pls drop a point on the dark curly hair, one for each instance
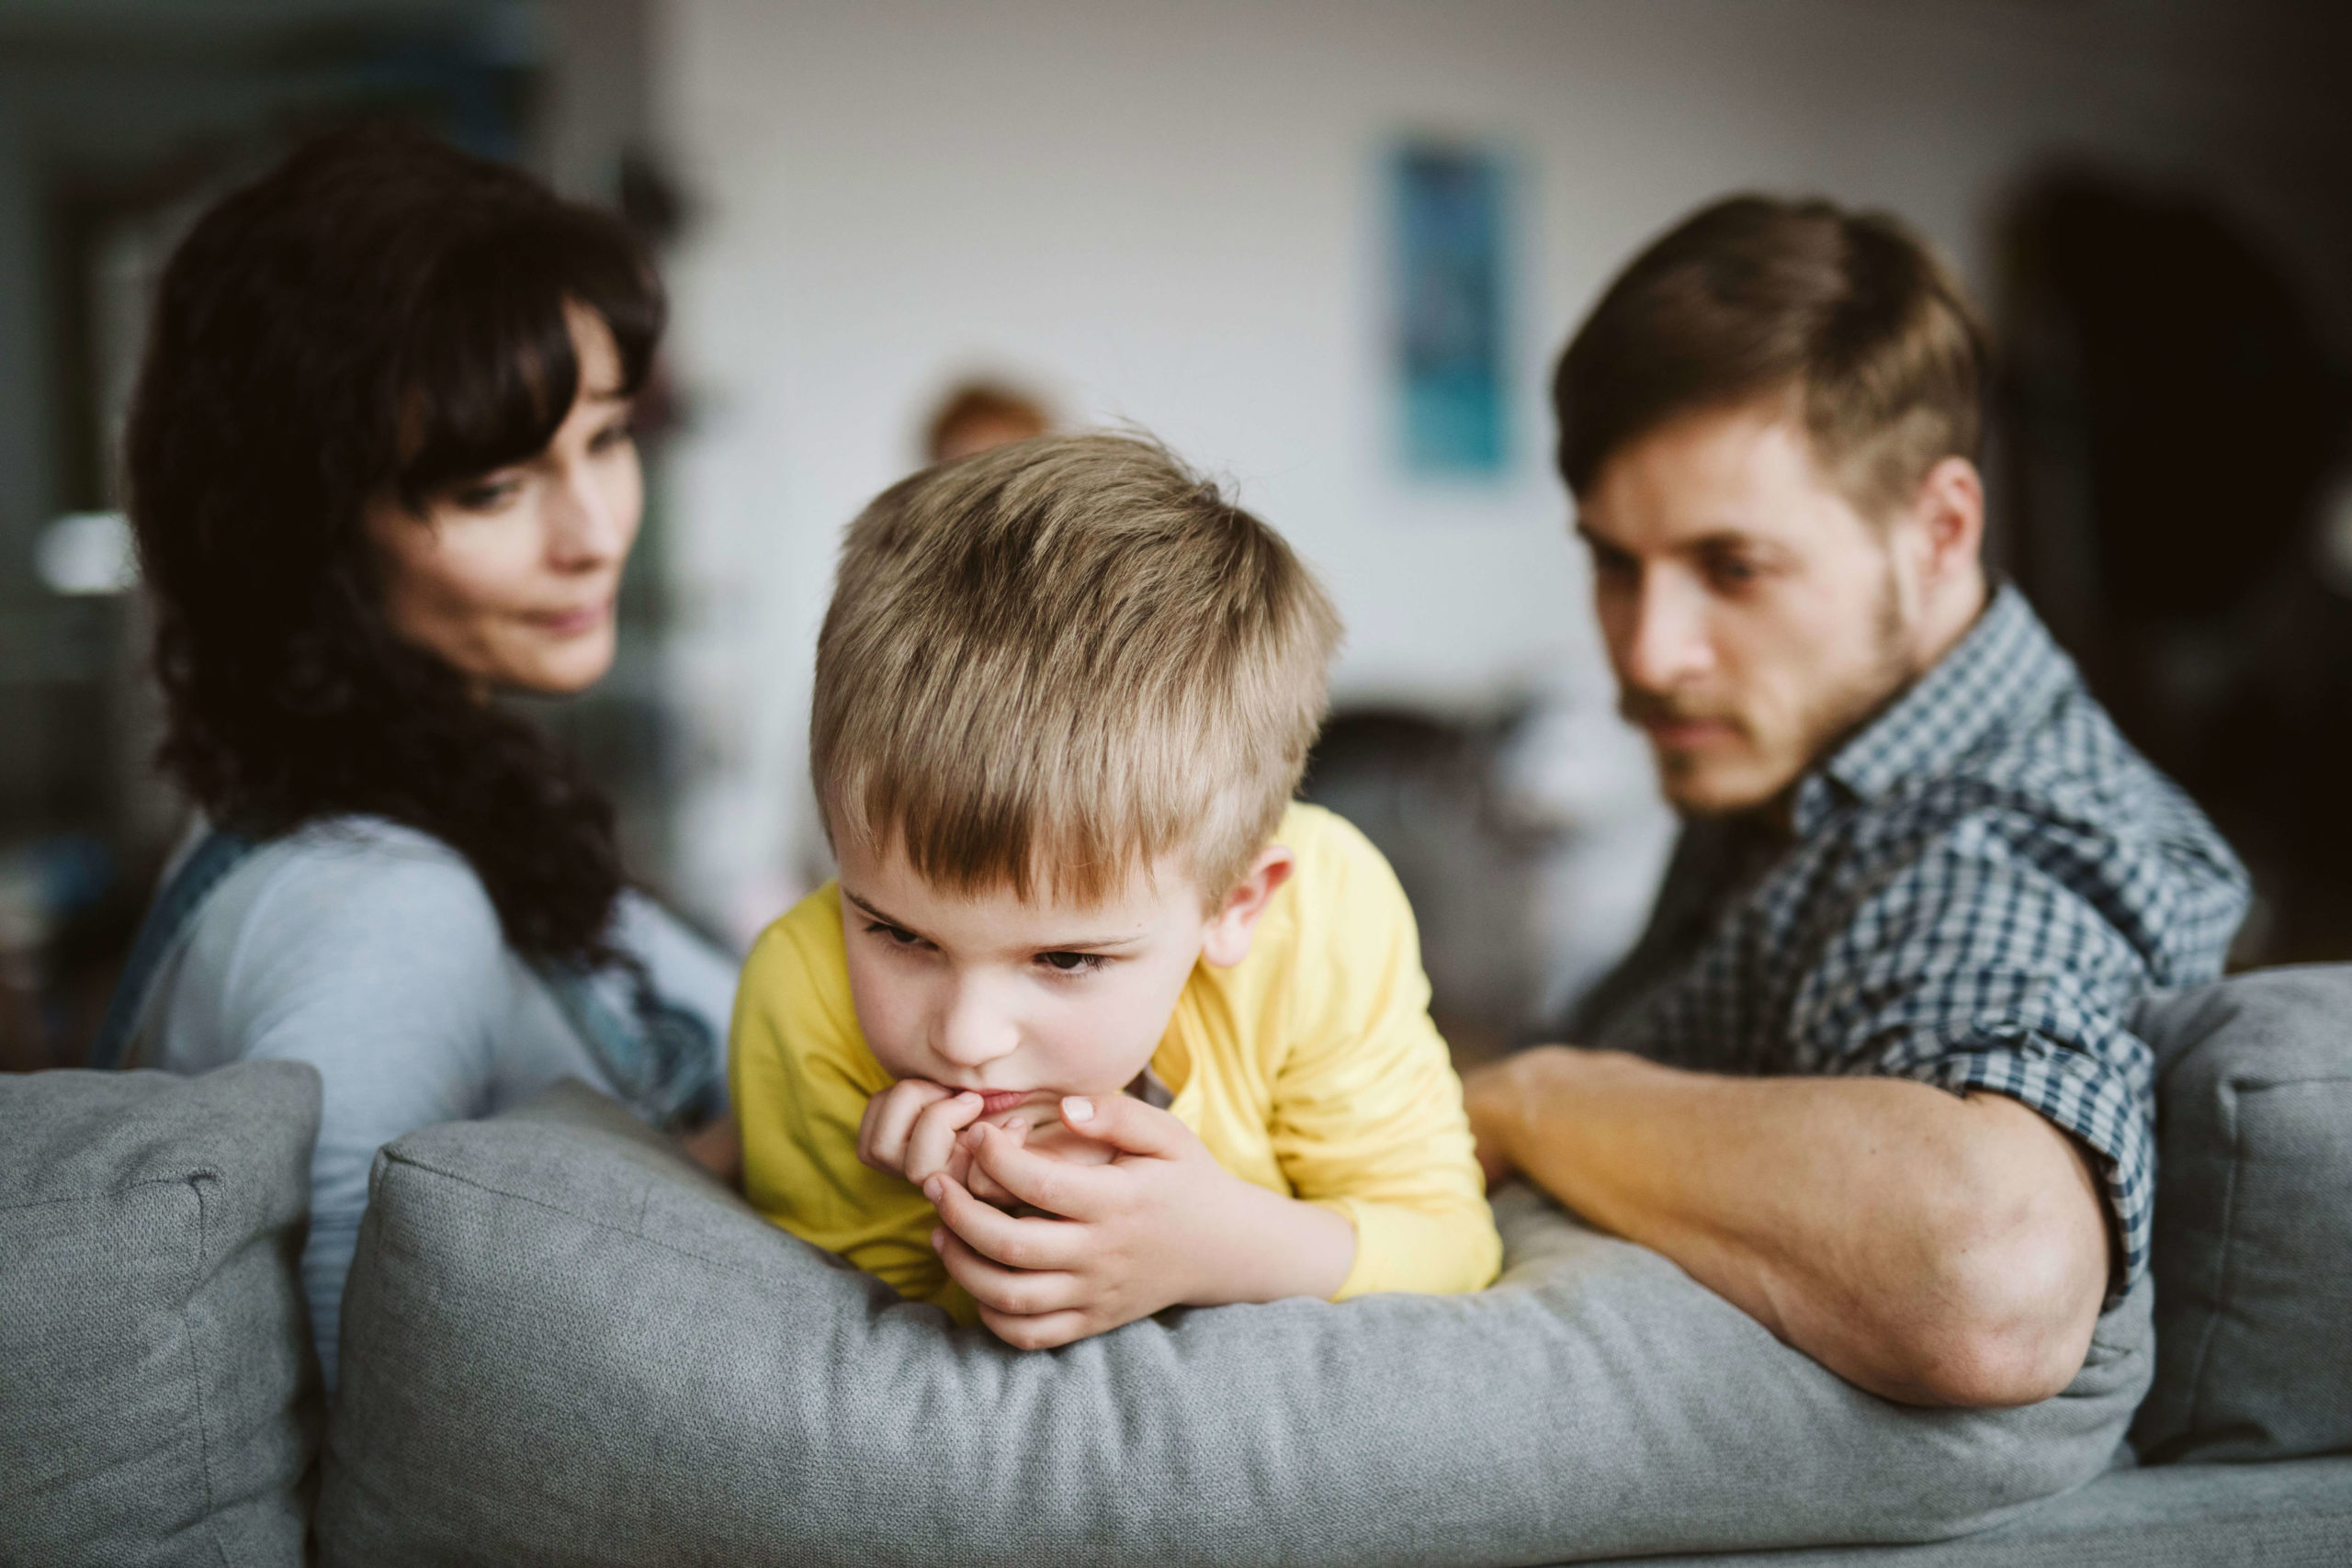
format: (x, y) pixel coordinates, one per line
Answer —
(380, 315)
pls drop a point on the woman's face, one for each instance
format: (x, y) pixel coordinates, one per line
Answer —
(511, 577)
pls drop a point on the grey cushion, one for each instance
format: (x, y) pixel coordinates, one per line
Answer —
(564, 1346)
(2253, 1254)
(2294, 1514)
(158, 1398)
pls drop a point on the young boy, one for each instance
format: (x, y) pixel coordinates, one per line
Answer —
(1096, 1020)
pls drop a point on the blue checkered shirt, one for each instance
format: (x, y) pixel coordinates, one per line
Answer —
(1973, 892)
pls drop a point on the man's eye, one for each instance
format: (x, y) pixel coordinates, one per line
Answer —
(1071, 963)
(1615, 564)
(1731, 571)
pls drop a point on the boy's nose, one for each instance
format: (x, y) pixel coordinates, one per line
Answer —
(973, 1032)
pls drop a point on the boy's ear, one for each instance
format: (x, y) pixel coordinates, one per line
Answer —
(1233, 922)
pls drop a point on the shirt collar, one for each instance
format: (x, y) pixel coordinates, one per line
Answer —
(2006, 669)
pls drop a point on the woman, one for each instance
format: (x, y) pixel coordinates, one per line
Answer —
(381, 472)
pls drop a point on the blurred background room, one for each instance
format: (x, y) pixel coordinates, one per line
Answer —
(1327, 249)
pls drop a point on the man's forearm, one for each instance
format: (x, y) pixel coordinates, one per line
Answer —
(1928, 1248)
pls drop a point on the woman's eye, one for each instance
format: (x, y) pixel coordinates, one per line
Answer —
(486, 495)
(612, 436)
(1071, 963)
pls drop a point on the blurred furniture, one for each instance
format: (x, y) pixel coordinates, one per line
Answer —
(563, 1344)
(2177, 431)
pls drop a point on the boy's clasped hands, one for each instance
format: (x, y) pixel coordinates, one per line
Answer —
(1064, 1216)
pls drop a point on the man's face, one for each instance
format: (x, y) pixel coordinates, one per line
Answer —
(1753, 617)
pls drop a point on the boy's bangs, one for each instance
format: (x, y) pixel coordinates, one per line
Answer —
(490, 373)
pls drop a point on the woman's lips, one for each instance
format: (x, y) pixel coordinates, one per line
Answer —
(572, 622)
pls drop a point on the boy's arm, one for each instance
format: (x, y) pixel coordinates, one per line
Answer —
(1367, 1115)
(800, 1078)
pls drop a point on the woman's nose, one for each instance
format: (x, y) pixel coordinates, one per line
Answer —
(584, 525)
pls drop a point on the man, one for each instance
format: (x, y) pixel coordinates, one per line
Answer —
(1874, 1080)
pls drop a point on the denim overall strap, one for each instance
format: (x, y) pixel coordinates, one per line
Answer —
(664, 1060)
(167, 922)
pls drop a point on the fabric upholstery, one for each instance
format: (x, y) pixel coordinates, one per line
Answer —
(158, 1396)
(2296, 1514)
(2254, 1271)
(563, 1345)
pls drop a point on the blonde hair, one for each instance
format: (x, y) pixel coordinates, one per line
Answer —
(1054, 662)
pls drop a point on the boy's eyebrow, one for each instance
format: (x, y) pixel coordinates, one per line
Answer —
(1074, 944)
(887, 919)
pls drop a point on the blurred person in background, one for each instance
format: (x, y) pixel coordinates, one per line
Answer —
(1869, 1074)
(382, 471)
(978, 415)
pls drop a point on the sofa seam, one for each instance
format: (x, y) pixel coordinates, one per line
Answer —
(196, 1372)
(201, 1173)
(2222, 1263)
(639, 1233)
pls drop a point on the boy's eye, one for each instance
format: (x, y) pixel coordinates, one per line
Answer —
(899, 935)
(1071, 963)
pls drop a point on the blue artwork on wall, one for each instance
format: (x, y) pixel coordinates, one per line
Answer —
(1454, 385)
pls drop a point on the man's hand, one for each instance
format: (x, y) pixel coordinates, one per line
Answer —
(1161, 1224)
(1929, 1247)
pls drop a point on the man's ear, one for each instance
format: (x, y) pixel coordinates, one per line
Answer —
(1225, 941)
(1948, 509)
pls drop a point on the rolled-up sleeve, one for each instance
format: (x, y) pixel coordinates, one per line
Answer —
(1979, 965)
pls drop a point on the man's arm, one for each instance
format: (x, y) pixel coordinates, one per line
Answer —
(1929, 1247)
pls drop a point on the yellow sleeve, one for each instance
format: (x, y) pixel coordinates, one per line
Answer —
(801, 1074)
(1367, 1116)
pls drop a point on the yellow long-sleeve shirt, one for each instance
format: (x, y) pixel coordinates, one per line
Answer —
(1310, 1068)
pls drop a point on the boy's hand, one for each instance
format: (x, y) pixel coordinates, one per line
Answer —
(1161, 1224)
(910, 1128)
(1047, 1136)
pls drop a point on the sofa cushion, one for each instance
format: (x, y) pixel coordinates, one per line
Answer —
(2253, 1255)
(2291, 1513)
(564, 1345)
(158, 1399)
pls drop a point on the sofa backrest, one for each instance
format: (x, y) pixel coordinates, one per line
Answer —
(159, 1402)
(2253, 1254)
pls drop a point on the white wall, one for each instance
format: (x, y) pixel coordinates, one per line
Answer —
(1171, 214)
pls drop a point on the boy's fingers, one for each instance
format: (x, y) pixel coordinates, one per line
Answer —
(1125, 1123)
(1002, 1237)
(1016, 1291)
(933, 1135)
(1075, 1191)
(882, 1131)
(1043, 1332)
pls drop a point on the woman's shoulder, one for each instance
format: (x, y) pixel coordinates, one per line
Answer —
(339, 917)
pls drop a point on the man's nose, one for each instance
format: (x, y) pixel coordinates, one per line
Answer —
(977, 1027)
(1664, 643)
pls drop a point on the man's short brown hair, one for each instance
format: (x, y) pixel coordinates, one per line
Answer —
(1849, 315)
(1054, 662)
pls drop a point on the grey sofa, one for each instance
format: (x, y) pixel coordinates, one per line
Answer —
(563, 1345)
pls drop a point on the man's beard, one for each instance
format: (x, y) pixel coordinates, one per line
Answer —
(1832, 715)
